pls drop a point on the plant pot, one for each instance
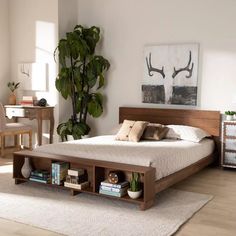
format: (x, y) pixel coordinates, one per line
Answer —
(12, 99)
(70, 138)
(26, 168)
(229, 117)
(134, 195)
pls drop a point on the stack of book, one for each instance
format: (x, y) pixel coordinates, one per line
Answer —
(59, 172)
(41, 176)
(77, 179)
(27, 101)
(116, 190)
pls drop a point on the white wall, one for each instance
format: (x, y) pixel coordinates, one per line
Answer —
(128, 25)
(68, 16)
(34, 36)
(5, 50)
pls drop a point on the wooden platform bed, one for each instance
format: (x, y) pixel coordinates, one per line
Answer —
(97, 170)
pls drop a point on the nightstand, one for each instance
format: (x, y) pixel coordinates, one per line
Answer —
(228, 149)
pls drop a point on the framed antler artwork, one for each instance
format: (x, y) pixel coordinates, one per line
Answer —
(170, 74)
(33, 76)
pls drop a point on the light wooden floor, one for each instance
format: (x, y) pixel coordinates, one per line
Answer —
(217, 218)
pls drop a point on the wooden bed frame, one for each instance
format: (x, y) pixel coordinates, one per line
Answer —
(97, 170)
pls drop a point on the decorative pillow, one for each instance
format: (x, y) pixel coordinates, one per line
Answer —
(185, 132)
(131, 130)
(155, 132)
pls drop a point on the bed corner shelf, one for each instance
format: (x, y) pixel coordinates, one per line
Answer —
(97, 171)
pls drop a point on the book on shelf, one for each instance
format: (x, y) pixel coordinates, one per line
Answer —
(39, 180)
(118, 185)
(41, 176)
(59, 172)
(76, 172)
(40, 173)
(117, 190)
(80, 186)
(110, 193)
(77, 179)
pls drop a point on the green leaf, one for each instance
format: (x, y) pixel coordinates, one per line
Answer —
(95, 108)
(101, 81)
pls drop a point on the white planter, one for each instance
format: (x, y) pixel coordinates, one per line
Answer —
(26, 168)
(229, 117)
(70, 138)
(134, 195)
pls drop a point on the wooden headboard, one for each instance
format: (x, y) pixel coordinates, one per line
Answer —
(204, 119)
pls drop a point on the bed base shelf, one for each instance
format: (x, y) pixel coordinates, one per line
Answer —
(96, 170)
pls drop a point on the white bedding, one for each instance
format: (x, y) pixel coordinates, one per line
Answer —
(167, 156)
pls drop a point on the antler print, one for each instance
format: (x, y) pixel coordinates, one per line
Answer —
(187, 68)
(153, 69)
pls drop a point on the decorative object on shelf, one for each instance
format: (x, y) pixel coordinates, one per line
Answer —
(12, 97)
(135, 190)
(116, 176)
(42, 102)
(80, 72)
(230, 115)
(26, 168)
(170, 74)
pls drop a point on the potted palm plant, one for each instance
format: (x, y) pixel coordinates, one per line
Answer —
(135, 190)
(81, 77)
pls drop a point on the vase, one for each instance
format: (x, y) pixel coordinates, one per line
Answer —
(26, 168)
(12, 99)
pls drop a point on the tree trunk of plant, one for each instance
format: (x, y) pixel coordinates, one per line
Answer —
(73, 95)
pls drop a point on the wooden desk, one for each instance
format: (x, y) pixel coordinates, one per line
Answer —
(33, 112)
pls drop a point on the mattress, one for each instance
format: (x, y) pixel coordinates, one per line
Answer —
(166, 156)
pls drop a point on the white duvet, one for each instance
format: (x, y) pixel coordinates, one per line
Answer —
(167, 156)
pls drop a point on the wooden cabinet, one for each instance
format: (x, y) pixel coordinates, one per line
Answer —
(228, 155)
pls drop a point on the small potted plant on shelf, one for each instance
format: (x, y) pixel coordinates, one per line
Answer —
(230, 115)
(12, 86)
(135, 190)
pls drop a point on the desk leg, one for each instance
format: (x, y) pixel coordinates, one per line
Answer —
(40, 132)
(51, 129)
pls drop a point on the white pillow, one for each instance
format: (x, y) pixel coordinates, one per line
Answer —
(188, 133)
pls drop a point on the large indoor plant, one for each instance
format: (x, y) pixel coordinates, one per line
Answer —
(80, 77)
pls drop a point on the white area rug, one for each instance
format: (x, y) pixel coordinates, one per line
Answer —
(56, 210)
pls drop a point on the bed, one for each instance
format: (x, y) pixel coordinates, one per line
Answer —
(174, 160)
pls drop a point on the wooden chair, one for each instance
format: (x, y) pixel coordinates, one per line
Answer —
(12, 129)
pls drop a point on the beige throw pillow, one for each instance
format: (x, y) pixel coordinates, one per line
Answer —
(155, 132)
(131, 130)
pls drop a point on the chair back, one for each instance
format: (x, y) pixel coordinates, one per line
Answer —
(2, 118)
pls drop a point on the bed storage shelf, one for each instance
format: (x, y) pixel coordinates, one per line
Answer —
(97, 172)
